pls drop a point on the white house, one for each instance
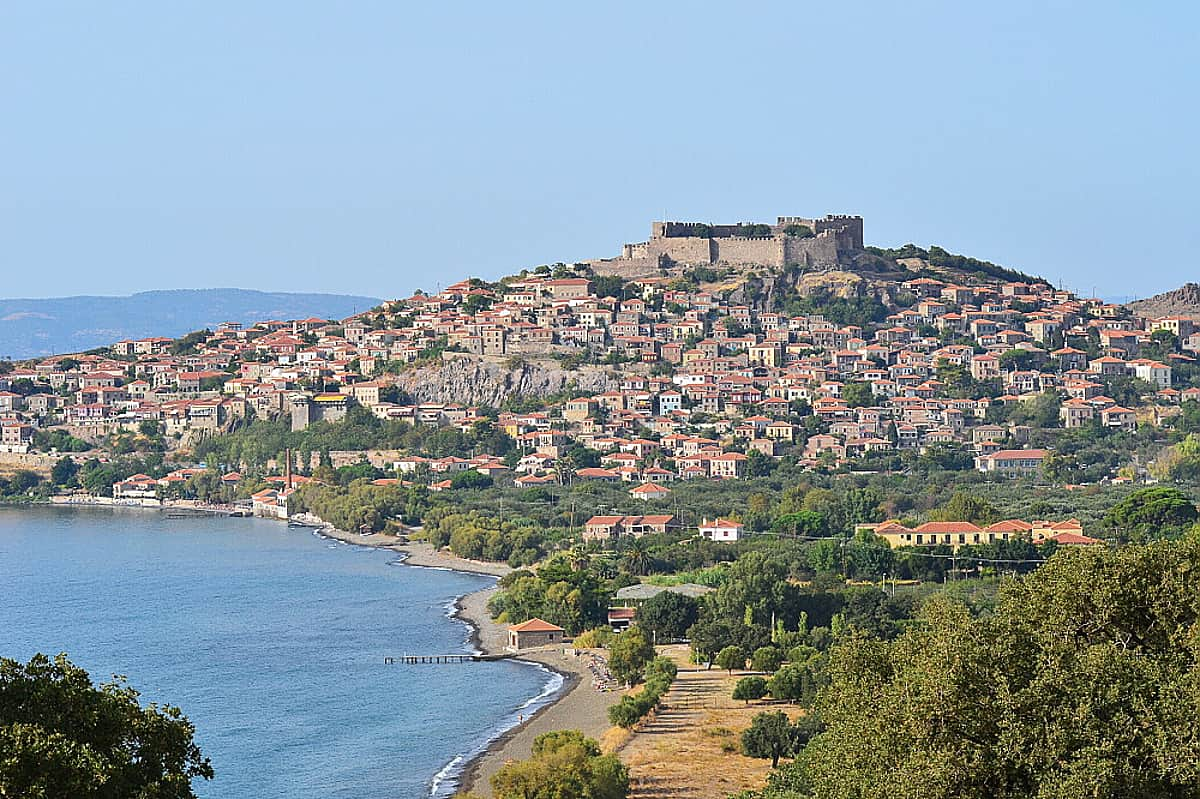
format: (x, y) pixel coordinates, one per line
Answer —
(722, 530)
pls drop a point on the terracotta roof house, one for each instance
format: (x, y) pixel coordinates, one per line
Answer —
(649, 491)
(722, 530)
(534, 633)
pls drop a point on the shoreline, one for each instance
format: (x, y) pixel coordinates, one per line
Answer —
(573, 704)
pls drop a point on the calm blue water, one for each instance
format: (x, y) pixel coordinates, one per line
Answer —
(270, 639)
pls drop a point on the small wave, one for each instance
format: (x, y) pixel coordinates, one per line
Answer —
(445, 783)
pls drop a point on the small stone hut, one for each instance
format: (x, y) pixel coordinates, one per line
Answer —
(534, 633)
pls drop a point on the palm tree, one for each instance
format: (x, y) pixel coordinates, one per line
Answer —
(578, 557)
(637, 557)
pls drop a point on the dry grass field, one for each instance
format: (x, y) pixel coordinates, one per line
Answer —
(691, 747)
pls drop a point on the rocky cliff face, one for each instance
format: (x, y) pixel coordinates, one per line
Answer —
(763, 293)
(477, 381)
(1183, 301)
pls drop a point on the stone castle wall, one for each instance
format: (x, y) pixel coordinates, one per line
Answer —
(685, 249)
(821, 250)
(766, 251)
(835, 238)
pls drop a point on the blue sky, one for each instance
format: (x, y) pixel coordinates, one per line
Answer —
(374, 148)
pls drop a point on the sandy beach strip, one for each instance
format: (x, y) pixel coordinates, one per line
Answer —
(577, 706)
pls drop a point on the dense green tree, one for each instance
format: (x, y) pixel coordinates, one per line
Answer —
(749, 688)
(1152, 511)
(1017, 360)
(1081, 683)
(730, 658)
(668, 615)
(766, 658)
(629, 653)
(62, 736)
(794, 683)
(710, 635)
(64, 471)
(965, 506)
(470, 478)
(858, 394)
(770, 735)
(564, 764)
(803, 523)
(637, 556)
(23, 481)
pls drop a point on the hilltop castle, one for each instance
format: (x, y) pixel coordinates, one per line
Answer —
(829, 241)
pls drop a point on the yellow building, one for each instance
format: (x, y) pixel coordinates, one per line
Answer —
(957, 534)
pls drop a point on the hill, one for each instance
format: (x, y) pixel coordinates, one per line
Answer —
(1183, 301)
(36, 327)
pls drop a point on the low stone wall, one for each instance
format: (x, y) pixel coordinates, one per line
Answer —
(17, 461)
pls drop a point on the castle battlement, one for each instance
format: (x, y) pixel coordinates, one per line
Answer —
(834, 240)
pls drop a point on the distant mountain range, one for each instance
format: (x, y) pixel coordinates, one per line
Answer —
(30, 328)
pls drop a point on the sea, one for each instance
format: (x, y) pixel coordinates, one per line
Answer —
(271, 640)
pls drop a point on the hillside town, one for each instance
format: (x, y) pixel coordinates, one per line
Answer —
(697, 386)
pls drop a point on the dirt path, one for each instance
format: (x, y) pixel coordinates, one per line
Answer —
(691, 748)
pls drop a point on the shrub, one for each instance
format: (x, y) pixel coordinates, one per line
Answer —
(730, 658)
(660, 672)
(749, 688)
(766, 658)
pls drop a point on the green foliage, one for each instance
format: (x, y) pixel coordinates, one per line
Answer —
(1152, 512)
(766, 658)
(749, 688)
(798, 231)
(63, 472)
(1081, 683)
(1128, 391)
(359, 505)
(863, 311)
(61, 736)
(478, 537)
(189, 344)
(19, 484)
(250, 447)
(668, 615)
(1017, 360)
(730, 658)
(59, 439)
(564, 764)
(858, 394)
(629, 653)
(770, 735)
(470, 479)
(98, 477)
(795, 683)
(609, 286)
(803, 523)
(1181, 461)
(966, 507)
(936, 256)
(629, 710)
(573, 599)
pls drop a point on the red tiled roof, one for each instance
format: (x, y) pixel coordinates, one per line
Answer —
(535, 625)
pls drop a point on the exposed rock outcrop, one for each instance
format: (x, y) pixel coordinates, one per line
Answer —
(472, 380)
(1183, 301)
